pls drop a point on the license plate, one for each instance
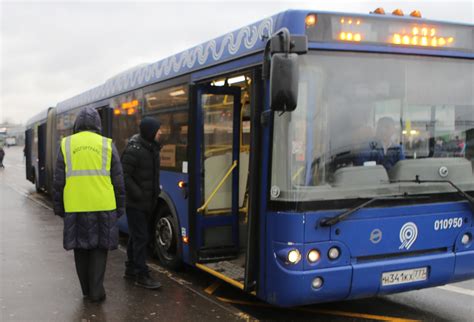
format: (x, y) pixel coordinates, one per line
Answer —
(405, 276)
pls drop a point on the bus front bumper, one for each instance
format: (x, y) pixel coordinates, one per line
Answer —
(358, 280)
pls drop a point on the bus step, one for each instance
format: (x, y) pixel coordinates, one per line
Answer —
(215, 254)
(228, 270)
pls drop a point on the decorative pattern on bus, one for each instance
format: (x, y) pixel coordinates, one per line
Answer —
(233, 43)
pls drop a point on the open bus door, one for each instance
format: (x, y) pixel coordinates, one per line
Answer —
(29, 141)
(216, 183)
(40, 178)
(51, 149)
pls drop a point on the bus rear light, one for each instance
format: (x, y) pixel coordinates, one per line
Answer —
(311, 20)
(182, 184)
(313, 256)
(294, 256)
(334, 253)
(185, 239)
(317, 283)
(466, 239)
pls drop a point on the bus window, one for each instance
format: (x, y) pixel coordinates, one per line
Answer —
(170, 107)
(126, 118)
(65, 123)
(174, 128)
(172, 97)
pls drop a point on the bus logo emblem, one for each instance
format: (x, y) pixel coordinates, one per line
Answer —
(376, 236)
(408, 235)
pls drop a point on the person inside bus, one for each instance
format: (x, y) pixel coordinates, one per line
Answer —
(383, 149)
(89, 193)
(141, 167)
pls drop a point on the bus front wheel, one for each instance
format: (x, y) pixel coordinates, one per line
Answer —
(166, 241)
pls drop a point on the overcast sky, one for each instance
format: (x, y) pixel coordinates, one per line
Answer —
(53, 50)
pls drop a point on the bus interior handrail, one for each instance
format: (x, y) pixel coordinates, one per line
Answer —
(204, 206)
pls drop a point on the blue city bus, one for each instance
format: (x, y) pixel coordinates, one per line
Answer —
(308, 157)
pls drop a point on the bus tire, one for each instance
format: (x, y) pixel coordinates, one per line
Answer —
(166, 242)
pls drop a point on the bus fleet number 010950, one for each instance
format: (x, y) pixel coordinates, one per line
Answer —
(443, 224)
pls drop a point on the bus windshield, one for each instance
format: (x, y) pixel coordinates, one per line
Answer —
(365, 121)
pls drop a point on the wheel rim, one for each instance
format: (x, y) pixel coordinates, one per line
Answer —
(165, 237)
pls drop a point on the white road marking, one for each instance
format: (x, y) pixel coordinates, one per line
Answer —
(457, 289)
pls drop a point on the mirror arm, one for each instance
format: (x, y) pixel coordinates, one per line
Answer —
(284, 33)
(266, 60)
(285, 45)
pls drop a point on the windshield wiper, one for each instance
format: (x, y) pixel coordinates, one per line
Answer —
(459, 190)
(326, 222)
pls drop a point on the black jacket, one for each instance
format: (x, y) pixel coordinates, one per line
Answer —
(141, 170)
(88, 230)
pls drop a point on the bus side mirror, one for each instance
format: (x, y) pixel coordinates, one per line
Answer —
(284, 82)
(280, 66)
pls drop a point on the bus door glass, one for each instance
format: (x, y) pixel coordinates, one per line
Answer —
(29, 142)
(41, 178)
(217, 219)
(106, 120)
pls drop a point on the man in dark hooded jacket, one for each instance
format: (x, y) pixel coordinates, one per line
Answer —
(141, 168)
(89, 193)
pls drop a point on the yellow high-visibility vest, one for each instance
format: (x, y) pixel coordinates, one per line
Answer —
(87, 158)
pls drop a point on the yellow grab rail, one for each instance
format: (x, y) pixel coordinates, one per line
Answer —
(234, 164)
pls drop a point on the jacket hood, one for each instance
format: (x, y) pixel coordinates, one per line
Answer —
(88, 119)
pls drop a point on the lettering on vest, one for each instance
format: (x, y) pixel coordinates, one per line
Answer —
(85, 148)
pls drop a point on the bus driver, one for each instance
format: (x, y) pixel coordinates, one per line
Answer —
(383, 149)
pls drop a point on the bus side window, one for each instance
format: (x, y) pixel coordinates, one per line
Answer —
(65, 124)
(126, 118)
(170, 107)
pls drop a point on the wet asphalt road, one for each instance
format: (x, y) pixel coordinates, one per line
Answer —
(38, 280)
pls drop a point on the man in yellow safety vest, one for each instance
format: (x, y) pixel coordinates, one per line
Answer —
(89, 193)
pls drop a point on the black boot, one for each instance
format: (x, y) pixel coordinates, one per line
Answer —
(147, 281)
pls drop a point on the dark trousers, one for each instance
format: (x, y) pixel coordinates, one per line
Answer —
(90, 267)
(137, 242)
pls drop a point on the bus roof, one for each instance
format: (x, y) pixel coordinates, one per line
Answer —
(242, 42)
(37, 118)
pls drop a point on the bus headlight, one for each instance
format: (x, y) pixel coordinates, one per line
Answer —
(334, 253)
(313, 255)
(294, 256)
(466, 239)
(317, 283)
